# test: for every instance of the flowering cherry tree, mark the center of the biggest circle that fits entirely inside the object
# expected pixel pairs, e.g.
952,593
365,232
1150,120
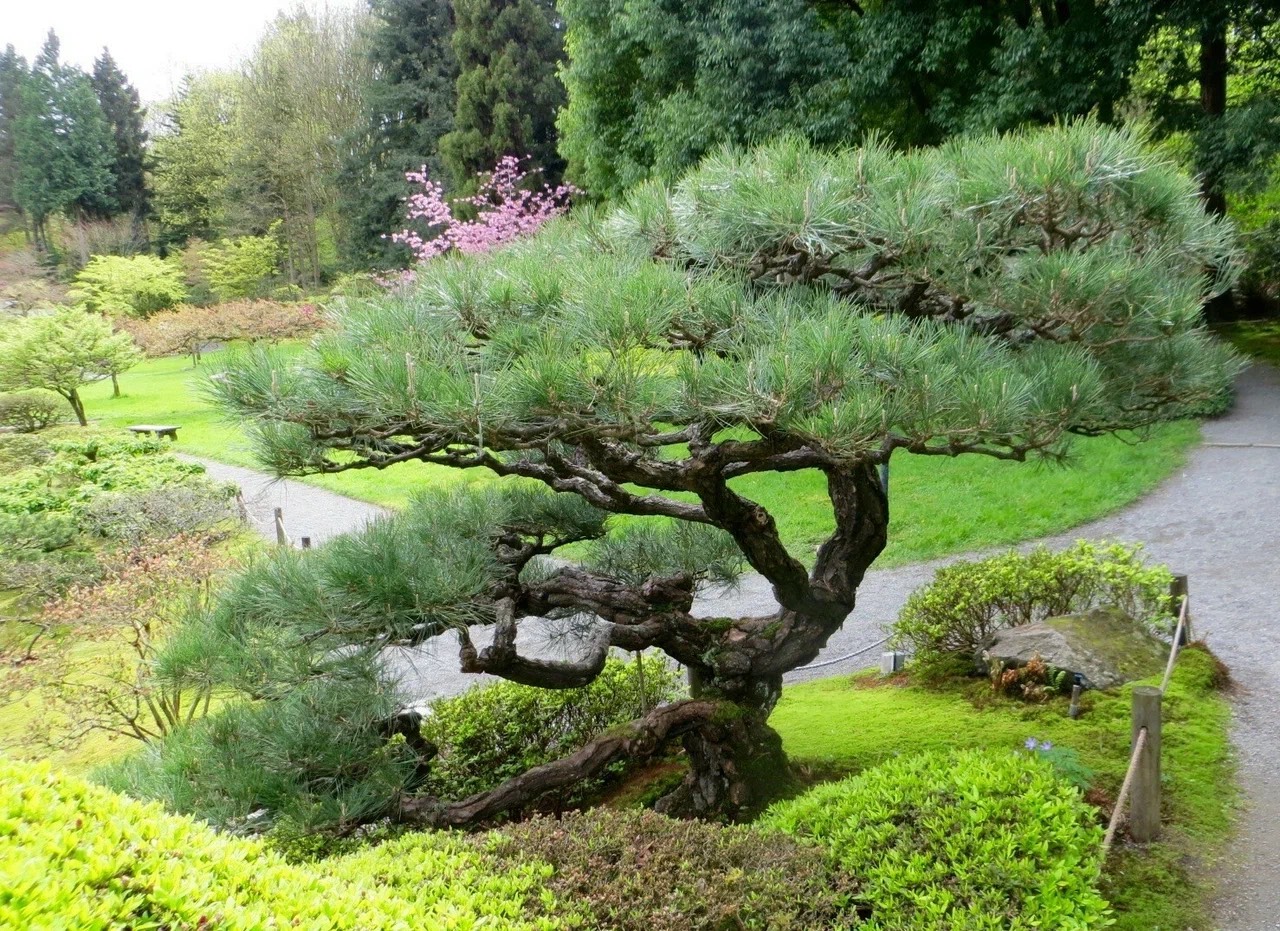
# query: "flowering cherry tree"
506,209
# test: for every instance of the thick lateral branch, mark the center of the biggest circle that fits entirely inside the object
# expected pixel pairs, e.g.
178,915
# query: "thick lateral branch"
638,740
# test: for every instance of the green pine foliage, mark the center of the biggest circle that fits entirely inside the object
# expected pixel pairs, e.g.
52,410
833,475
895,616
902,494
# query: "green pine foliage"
960,841
779,309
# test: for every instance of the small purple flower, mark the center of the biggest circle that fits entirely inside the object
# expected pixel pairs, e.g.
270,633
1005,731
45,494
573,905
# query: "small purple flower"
1030,743
1046,745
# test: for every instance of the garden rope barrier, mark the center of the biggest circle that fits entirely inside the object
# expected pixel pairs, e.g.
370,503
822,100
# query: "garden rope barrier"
1110,836
1138,746
841,659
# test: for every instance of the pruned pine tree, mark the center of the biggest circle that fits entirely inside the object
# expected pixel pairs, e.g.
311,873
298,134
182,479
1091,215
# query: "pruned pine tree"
778,310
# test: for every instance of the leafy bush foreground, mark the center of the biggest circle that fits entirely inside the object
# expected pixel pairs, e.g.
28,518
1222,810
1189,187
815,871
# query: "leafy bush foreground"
78,856
965,841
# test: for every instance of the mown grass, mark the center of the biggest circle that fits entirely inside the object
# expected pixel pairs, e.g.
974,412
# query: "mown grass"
846,724
940,506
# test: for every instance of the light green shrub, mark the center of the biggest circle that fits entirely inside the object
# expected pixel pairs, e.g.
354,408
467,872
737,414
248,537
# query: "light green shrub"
136,286
242,267
32,410
960,841
490,734
76,856
968,601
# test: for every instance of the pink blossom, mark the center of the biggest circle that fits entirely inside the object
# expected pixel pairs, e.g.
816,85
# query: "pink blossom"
505,211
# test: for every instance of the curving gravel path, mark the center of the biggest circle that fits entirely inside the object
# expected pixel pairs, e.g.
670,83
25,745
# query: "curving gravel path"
1217,520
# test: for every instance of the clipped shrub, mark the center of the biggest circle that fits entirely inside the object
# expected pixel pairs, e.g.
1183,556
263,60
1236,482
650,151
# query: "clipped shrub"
136,286
161,512
969,601
961,841
641,871
41,532
490,734
22,451
77,856
90,464
32,410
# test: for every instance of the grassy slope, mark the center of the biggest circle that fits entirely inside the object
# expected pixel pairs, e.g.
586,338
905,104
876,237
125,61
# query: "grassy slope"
940,506
847,724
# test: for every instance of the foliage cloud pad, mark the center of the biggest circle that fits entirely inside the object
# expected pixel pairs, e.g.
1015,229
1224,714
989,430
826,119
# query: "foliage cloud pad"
778,310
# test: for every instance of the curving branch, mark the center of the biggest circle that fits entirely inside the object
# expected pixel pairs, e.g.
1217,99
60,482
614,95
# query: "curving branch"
639,740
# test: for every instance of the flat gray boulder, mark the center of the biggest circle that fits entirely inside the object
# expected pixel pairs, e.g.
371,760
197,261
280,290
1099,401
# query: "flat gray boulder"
1105,646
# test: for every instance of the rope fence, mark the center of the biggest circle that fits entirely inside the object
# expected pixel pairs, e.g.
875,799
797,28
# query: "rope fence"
1141,786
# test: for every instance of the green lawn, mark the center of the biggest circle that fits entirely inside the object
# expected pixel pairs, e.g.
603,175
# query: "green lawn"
847,724
940,506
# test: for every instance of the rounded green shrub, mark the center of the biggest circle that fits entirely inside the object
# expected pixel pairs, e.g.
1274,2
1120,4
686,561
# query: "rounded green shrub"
969,601
31,411
77,856
136,286
960,841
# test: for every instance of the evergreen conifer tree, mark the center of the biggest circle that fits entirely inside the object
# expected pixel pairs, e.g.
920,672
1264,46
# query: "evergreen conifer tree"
123,111
508,90
13,72
409,107
778,310
62,144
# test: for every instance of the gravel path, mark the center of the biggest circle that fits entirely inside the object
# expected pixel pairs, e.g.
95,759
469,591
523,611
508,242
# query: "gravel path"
308,511
1217,520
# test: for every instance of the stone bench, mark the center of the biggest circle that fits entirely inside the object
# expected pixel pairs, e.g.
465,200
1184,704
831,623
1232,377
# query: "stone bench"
158,430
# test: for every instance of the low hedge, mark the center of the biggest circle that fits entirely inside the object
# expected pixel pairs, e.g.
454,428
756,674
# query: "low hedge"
31,411
960,841
77,856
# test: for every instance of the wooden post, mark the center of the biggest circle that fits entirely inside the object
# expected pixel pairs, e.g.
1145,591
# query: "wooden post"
306,543
1177,592
1144,809
1074,710
281,538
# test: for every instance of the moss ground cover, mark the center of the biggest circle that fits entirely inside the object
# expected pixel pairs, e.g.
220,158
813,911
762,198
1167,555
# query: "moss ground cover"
1259,339
939,506
848,724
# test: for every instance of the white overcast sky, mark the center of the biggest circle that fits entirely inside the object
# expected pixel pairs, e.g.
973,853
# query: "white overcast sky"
155,42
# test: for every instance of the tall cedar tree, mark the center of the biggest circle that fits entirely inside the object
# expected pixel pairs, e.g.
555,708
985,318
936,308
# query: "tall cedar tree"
13,72
508,92
62,144
409,107
778,310
122,109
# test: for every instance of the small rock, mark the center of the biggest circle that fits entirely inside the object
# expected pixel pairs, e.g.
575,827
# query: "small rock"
1104,646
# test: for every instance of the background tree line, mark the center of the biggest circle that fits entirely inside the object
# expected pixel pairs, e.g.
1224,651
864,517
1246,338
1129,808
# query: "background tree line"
315,130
